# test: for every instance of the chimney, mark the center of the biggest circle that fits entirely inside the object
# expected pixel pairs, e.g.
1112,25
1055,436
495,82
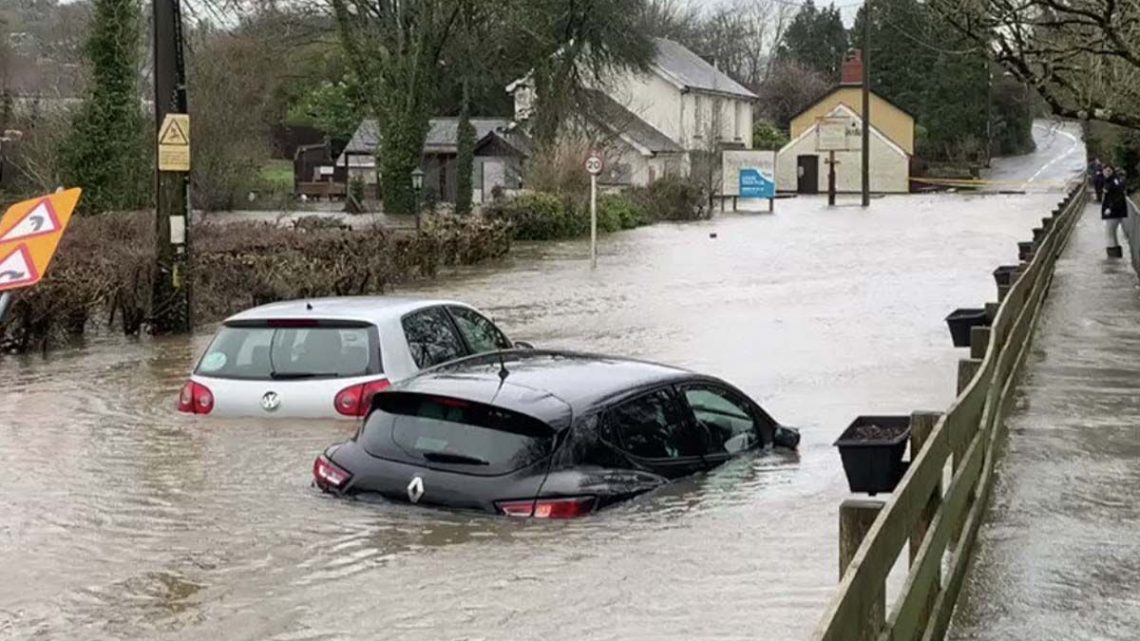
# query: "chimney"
852,71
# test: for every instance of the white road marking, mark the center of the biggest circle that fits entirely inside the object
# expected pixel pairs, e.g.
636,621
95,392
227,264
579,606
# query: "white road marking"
1054,161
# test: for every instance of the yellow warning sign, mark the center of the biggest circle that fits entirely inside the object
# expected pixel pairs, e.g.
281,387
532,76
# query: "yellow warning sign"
174,143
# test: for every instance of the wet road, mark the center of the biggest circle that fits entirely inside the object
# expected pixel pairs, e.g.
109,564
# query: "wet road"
1058,557
1059,151
122,520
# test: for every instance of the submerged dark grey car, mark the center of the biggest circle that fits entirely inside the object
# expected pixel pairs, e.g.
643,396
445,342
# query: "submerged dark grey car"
544,434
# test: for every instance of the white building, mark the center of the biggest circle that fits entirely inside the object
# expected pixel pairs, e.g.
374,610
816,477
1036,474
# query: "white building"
802,164
801,168
656,119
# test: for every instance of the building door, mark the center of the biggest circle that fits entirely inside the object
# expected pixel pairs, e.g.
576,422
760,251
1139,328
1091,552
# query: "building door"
807,174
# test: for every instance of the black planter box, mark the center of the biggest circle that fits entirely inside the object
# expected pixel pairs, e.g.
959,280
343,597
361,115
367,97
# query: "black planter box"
872,458
1004,275
961,320
1025,250
1038,234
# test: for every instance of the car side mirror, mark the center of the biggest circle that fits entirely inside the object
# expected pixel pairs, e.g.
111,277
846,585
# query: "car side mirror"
788,437
523,345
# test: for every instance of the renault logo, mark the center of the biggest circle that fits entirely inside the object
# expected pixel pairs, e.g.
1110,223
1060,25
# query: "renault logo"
416,490
270,401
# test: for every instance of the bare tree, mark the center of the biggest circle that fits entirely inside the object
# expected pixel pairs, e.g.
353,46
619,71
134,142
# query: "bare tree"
1081,56
790,87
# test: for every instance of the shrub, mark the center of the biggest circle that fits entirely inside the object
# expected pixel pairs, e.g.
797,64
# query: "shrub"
541,216
621,211
103,273
765,135
672,198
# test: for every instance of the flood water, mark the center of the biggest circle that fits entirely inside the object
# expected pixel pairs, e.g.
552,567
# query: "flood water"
120,519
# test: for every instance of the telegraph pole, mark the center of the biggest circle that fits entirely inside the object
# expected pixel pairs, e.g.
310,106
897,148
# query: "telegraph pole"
170,302
866,103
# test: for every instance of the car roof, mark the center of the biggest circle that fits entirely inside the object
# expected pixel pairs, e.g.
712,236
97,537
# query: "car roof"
578,381
358,308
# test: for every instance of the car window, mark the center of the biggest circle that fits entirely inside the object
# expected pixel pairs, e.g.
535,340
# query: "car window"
455,434
431,337
652,426
725,420
263,352
480,333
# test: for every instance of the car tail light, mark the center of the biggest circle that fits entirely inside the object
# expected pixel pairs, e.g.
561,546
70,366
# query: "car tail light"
195,399
328,475
566,508
355,401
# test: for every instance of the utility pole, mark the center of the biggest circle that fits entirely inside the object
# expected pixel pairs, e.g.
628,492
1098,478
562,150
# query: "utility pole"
866,55
170,302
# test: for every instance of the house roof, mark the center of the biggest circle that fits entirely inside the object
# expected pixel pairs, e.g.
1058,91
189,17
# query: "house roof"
827,94
513,137
684,69
842,109
442,136
687,70
612,116
365,139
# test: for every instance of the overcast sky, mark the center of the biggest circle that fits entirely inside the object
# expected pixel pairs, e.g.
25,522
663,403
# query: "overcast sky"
847,8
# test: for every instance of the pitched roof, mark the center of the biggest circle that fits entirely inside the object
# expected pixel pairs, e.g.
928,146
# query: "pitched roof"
827,94
689,71
611,115
365,139
442,136
444,132
843,109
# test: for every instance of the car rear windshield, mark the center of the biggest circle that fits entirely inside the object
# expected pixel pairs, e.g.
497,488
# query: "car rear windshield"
292,350
452,434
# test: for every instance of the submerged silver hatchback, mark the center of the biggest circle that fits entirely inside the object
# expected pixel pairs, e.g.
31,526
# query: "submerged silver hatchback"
325,358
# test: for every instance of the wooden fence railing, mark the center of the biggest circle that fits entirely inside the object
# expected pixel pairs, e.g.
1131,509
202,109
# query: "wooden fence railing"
941,523
1132,231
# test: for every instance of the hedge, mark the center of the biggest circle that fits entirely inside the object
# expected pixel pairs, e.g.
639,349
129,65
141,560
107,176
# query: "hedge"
103,273
549,216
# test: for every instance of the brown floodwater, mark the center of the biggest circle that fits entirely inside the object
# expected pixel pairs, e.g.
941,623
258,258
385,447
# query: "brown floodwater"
120,519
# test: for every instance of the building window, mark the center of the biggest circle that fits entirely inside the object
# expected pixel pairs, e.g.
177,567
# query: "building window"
739,121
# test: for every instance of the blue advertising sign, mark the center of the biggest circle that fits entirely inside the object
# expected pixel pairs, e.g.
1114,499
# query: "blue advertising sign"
754,184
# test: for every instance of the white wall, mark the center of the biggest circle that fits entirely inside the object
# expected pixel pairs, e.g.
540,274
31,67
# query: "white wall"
890,168
661,104
651,98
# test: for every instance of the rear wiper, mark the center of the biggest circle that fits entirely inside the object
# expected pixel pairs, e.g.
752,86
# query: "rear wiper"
293,376
461,459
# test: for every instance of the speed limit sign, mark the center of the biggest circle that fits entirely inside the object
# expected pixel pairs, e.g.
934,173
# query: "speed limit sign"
594,164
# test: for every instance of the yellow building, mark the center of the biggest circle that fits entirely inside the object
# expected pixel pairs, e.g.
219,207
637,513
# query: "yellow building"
800,167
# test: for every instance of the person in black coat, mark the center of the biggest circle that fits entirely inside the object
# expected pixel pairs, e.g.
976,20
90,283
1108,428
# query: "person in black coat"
1114,209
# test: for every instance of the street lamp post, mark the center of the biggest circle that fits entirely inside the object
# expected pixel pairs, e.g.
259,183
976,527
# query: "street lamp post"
417,187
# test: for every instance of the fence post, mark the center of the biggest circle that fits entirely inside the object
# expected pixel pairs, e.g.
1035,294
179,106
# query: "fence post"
855,518
979,340
992,312
921,426
967,367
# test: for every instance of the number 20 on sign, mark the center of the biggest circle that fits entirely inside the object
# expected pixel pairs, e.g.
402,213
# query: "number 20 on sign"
29,235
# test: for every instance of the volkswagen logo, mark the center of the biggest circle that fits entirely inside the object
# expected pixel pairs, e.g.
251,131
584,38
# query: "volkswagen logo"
415,490
270,401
